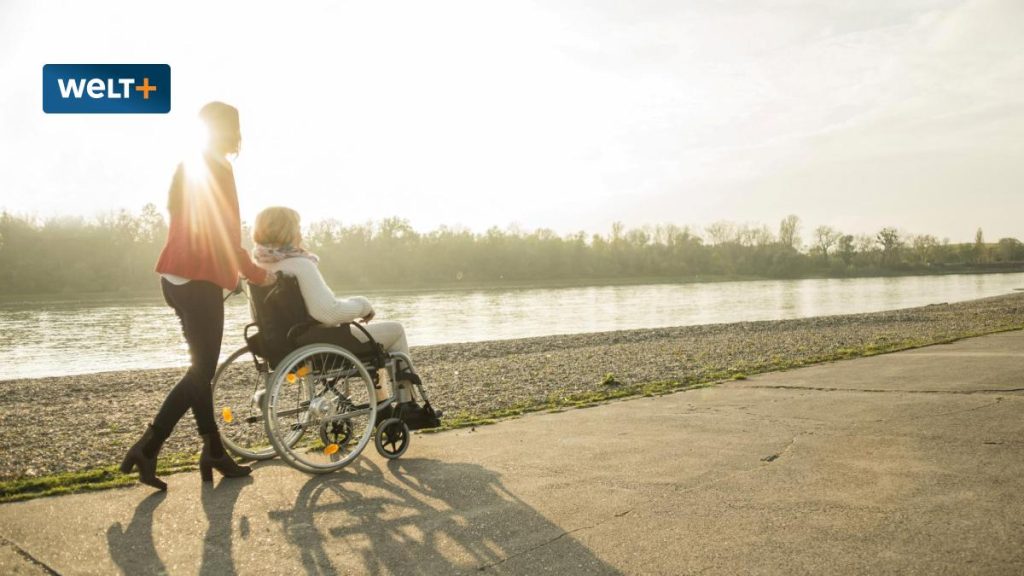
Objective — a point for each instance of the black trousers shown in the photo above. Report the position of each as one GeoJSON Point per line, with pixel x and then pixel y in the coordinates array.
{"type": "Point", "coordinates": [200, 307]}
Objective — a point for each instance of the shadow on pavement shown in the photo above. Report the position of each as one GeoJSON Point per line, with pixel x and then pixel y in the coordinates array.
{"type": "Point", "coordinates": [420, 516]}
{"type": "Point", "coordinates": [413, 516]}
{"type": "Point", "coordinates": [219, 505]}
{"type": "Point", "coordinates": [132, 548]}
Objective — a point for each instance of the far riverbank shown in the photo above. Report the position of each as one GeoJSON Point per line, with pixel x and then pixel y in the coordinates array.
{"type": "Point", "coordinates": [411, 287]}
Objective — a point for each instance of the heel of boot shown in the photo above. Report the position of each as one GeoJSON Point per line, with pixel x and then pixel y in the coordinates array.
{"type": "Point", "coordinates": [127, 464]}
{"type": "Point", "coordinates": [224, 463]}
{"type": "Point", "coordinates": [206, 472]}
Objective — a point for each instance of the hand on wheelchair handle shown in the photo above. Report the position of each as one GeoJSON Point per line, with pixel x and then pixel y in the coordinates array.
{"type": "Point", "coordinates": [270, 280]}
{"type": "Point", "coordinates": [236, 290]}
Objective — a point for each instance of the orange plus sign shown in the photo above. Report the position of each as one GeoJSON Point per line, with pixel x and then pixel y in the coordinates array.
{"type": "Point", "coordinates": [145, 88]}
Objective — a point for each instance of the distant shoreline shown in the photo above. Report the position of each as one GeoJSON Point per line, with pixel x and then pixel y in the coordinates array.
{"type": "Point", "coordinates": [458, 286]}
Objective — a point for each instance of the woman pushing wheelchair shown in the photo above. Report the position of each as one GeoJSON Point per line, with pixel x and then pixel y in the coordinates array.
{"type": "Point", "coordinates": [202, 257]}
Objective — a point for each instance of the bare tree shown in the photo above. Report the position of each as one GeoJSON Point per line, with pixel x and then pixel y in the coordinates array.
{"type": "Point", "coordinates": [637, 237]}
{"type": "Point", "coordinates": [618, 228]}
{"type": "Point", "coordinates": [789, 232]}
{"type": "Point", "coordinates": [889, 239]}
{"type": "Point", "coordinates": [754, 235]}
{"type": "Point", "coordinates": [846, 249]}
{"type": "Point", "coordinates": [153, 229]}
{"type": "Point", "coordinates": [323, 233]}
{"type": "Point", "coordinates": [721, 232]}
{"type": "Point", "coordinates": [925, 248]}
{"type": "Point", "coordinates": [980, 249]}
{"type": "Point", "coordinates": [865, 243]}
{"type": "Point", "coordinates": [762, 236]}
{"type": "Point", "coordinates": [825, 237]}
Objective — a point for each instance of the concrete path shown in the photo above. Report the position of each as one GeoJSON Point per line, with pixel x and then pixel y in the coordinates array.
{"type": "Point", "coordinates": [909, 463]}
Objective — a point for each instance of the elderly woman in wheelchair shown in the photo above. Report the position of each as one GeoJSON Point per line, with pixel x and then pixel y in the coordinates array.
{"type": "Point", "coordinates": [323, 380]}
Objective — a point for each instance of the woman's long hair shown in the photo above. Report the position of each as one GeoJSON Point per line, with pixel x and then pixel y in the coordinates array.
{"type": "Point", "coordinates": [222, 126]}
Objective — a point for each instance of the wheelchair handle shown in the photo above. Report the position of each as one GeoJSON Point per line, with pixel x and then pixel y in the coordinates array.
{"type": "Point", "coordinates": [364, 331]}
{"type": "Point", "coordinates": [238, 289]}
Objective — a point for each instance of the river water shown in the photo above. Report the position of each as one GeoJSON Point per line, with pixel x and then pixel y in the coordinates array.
{"type": "Point", "coordinates": [60, 337]}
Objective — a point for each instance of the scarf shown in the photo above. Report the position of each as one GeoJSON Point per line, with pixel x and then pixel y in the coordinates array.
{"type": "Point", "coordinates": [270, 254]}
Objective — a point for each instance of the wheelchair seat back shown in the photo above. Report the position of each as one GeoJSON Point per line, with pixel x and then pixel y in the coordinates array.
{"type": "Point", "coordinates": [276, 310]}
{"type": "Point", "coordinates": [285, 324]}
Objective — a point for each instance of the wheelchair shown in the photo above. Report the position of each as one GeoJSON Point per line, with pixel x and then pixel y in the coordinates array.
{"type": "Point", "coordinates": [306, 392]}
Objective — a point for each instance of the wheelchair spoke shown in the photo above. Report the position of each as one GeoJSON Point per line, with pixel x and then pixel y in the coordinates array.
{"type": "Point", "coordinates": [350, 414]}
{"type": "Point", "coordinates": [303, 406]}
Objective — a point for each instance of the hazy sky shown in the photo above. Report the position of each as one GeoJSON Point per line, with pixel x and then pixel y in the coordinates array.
{"type": "Point", "coordinates": [566, 114]}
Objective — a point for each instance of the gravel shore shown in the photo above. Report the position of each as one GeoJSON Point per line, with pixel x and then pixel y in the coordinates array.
{"type": "Point", "coordinates": [71, 423]}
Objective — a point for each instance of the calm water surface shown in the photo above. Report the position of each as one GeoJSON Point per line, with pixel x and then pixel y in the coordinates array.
{"type": "Point", "coordinates": [66, 337]}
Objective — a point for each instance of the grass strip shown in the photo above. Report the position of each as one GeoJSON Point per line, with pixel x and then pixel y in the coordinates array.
{"type": "Point", "coordinates": [88, 480]}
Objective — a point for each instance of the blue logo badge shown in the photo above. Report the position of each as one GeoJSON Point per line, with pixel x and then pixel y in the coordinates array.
{"type": "Point", "coordinates": [106, 88]}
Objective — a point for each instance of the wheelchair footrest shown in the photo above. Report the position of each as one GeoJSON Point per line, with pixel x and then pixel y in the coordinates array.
{"type": "Point", "coordinates": [418, 417]}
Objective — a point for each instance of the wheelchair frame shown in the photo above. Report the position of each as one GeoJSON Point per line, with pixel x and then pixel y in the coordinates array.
{"type": "Point", "coordinates": [391, 436]}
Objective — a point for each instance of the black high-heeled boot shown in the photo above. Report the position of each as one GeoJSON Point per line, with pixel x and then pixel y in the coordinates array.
{"type": "Point", "coordinates": [142, 455]}
{"type": "Point", "coordinates": [214, 456]}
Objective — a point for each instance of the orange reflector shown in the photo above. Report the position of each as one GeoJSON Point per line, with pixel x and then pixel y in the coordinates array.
{"type": "Point", "coordinates": [227, 415]}
{"type": "Point", "coordinates": [291, 378]}
{"type": "Point", "coordinates": [331, 449]}
{"type": "Point", "coordinates": [302, 371]}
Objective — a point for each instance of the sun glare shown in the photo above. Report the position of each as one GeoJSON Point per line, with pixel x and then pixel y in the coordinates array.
{"type": "Point", "coordinates": [193, 139]}
{"type": "Point", "coordinates": [196, 136]}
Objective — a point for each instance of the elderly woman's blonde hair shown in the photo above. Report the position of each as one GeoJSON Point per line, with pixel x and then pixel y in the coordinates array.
{"type": "Point", "coordinates": [276, 226]}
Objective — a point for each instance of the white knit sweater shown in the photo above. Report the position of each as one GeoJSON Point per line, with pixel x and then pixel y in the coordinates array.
{"type": "Point", "coordinates": [320, 301]}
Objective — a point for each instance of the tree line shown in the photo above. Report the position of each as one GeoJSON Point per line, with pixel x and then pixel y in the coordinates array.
{"type": "Point", "coordinates": [117, 251]}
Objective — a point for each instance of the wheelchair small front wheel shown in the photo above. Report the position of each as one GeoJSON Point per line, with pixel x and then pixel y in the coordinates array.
{"type": "Point", "coordinates": [321, 396]}
{"type": "Point", "coordinates": [392, 438]}
{"type": "Point", "coordinates": [238, 390]}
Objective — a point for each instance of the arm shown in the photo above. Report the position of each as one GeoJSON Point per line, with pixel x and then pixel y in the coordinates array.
{"type": "Point", "coordinates": [320, 301]}
{"type": "Point", "coordinates": [249, 269]}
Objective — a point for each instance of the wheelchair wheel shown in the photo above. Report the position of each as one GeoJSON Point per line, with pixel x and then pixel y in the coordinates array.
{"type": "Point", "coordinates": [392, 438]}
{"type": "Point", "coordinates": [237, 391]}
{"type": "Point", "coordinates": [320, 408]}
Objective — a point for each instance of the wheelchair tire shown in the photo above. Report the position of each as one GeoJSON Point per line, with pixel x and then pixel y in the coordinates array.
{"type": "Point", "coordinates": [392, 438]}
{"type": "Point", "coordinates": [236, 385]}
{"type": "Point", "coordinates": [314, 388]}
